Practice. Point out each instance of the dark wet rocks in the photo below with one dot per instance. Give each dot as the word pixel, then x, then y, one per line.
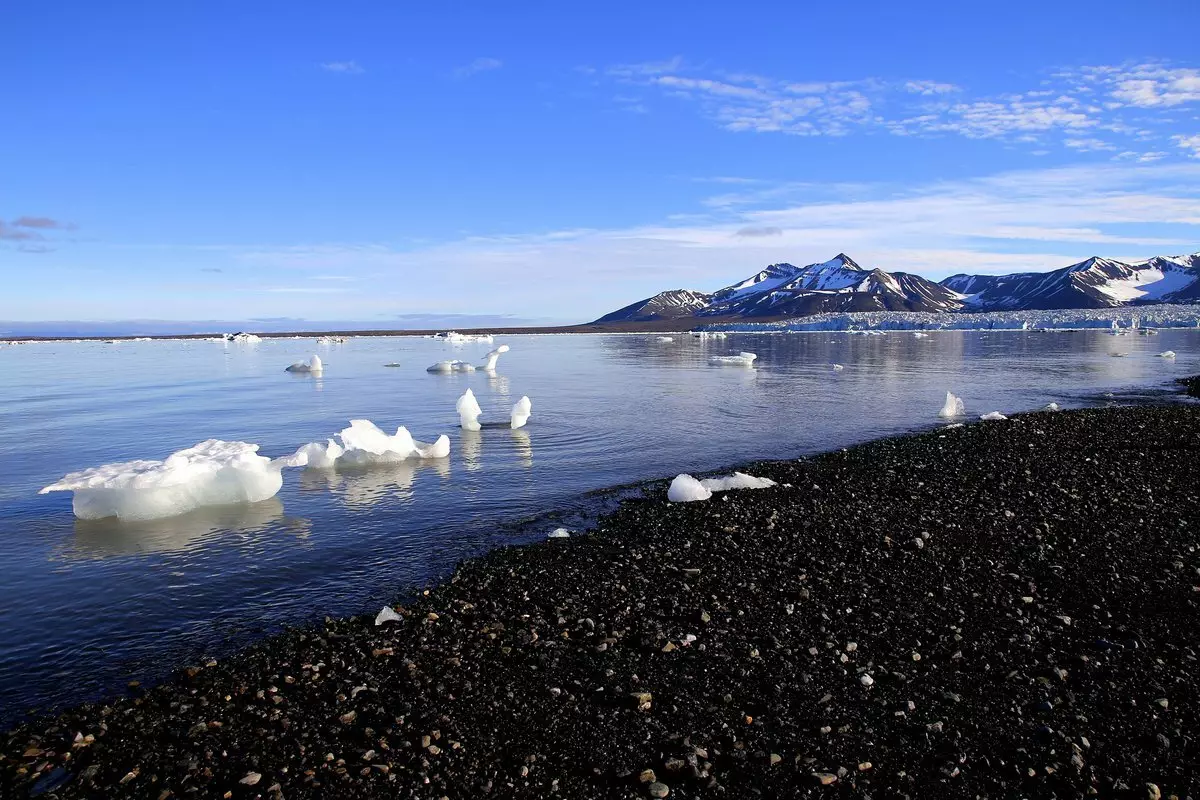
pixel 719 649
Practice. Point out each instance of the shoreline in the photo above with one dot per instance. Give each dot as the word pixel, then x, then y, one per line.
pixel 567 610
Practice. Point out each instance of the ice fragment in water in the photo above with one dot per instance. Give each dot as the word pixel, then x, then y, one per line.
pixel 738 480
pixel 742 359
pixel 558 533
pixel 520 412
pixel 313 365
pixel 468 411
pixel 993 416
pixel 363 443
pixel 493 357
pixel 838 368
pixel 451 366
pixel 665 339
pixel 387 615
pixel 1052 407
pixel 1167 354
pixel 686 489
pixel 953 407
pixel 211 473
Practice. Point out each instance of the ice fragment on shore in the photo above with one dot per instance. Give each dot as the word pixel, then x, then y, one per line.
pixel 493 357
pixel 313 365
pixel 387 615
pixel 520 412
pixel 742 359
pixel 993 416
pixel 211 473
pixel 953 407
pixel 558 533
pixel 1052 407
pixel 1167 354
pixel 738 480
pixel 686 489
pixel 468 411
pixel 363 443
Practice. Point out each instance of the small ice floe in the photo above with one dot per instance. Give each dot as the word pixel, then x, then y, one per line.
pixel 742 359
pixel 490 363
pixel 838 368
pixel 664 339
pixel 993 416
pixel 332 340
pixel 1167 354
pixel 313 365
pixel 245 338
pixel 451 366
pixel 1052 407
pixel 520 413
pixel 953 407
pixel 1118 355
pixel 363 443
pixel 468 411
pixel 454 337
pixel 386 614
pixel 558 533
pixel 393 364
pixel 211 473
pixel 920 335
pixel 686 489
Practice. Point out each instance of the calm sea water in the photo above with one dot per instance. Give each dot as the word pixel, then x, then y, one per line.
pixel 86 607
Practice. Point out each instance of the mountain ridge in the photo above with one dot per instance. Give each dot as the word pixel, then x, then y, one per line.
pixel 840 284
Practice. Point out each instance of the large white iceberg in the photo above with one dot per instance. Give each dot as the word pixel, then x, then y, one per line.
pixel 468 411
pixel 520 412
pixel 953 407
pixel 313 365
pixel 493 357
pixel 742 359
pixel 211 473
pixel 363 443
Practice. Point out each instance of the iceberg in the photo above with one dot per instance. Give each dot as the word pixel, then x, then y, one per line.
pixel 742 359
pixel 451 366
pixel 363 443
pixel 520 412
pixel 211 473
pixel 313 365
pixel 1167 354
pixel 953 407
pixel 993 416
pixel 686 489
pixel 738 480
pixel 468 411
pixel 490 364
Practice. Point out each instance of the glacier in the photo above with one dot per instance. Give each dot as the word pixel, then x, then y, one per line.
pixel 211 473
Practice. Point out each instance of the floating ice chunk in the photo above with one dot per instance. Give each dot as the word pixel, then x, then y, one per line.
pixel 920 335
pixel 742 359
pixel 838 368
pixel 211 473
pixel 393 364
pixel 953 407
pixel 363 443
pixel 1052 407
pixel 558 533
pixel 313 365
pixel 451 366
pixel 686 489
pixel 1167 354
pixel 331 340
pixel 993 416
pixel 738 480
pixel 245 338
pixel 664 339
pixel 493 357
pixel 468 411
pixel 453 337
pixel 520 412
pixel 386 614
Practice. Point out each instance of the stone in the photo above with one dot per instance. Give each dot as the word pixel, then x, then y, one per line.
pixel 659 789
pixel 251 779
pixel 647 776
pixel 825 778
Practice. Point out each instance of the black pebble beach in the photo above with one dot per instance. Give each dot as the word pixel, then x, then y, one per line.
pixel 1002 610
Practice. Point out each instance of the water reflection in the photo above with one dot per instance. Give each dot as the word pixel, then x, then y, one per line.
pixel 102 538
pixel 472 445
pixel 363 487
pixel 524 447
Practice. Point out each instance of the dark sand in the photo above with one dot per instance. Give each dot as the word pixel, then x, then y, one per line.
pixel 1002 610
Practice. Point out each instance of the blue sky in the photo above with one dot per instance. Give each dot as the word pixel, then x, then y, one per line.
pixel 374 160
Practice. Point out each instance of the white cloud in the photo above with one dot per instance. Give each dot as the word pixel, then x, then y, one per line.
pixel 1148 86
pixel 928 88
pixel 477 66
pixel 1087 145
pixel 343 67
pixel 1189 143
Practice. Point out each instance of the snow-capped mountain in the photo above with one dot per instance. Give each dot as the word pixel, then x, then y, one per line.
pixel 841 285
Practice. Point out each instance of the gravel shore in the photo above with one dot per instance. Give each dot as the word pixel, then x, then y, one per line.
pixel 1004 609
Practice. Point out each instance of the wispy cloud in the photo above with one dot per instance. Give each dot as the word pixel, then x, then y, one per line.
pixel 44 223
pixel 477 66
pixel 929 88
pixel 34 234
pixel 765 230
pixel 343 67
pixel 211 269
pixel 1189 143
